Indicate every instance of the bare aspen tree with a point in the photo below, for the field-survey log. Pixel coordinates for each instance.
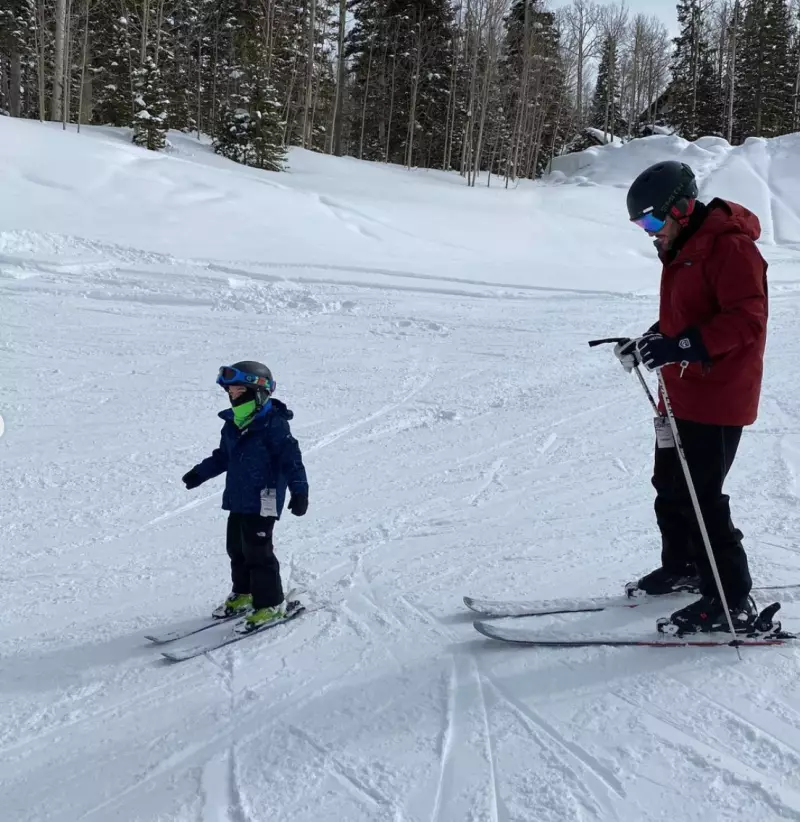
(613, 25)
(473, 42)
(159, 30)
(312, 22)
(58, 59)
(420, 31)
(582, 21)
(364, 104)
(145, 20)
(734, 36)
(39, 40)
(796, 118)
(84, 62)
(67, 70)
(338, 115)
(392, 90)
(493, 21)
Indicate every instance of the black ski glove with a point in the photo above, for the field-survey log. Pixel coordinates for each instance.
(656, 350)
(298, 504)
(191, 479)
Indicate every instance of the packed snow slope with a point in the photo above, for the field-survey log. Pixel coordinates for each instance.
(460, 438)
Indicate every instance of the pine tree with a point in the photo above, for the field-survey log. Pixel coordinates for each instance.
(709, 115)
(150, 107)
(765, 73)
(16, 40)
(778, 70)
(113, 58)
(401, 54)
(695, 90)
(606, 106)
(251, 128)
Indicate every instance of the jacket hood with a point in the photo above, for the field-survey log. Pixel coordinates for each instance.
(725, 217)
(273, 406)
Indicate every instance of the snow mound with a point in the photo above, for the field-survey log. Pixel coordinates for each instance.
(762, 174)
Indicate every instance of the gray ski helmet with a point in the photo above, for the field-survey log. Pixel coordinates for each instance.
(664, 190)
(261, 392)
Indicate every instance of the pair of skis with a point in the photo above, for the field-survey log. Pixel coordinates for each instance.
(767, 631)
(294, 607)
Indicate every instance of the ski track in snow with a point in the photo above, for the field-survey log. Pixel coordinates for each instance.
(460, 438)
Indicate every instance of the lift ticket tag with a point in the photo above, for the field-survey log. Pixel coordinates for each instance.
(664, 438)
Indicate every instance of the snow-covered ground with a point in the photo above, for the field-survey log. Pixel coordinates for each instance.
(460, 438)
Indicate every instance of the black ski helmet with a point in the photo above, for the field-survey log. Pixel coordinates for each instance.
(664, 190)
(261, 393)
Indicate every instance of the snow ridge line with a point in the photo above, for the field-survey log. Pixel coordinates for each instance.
(537, 724)
(446, 741)
(498, 812)
(345, 775)
(703, 755)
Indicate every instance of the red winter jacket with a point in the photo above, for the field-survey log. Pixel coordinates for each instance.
(717, 283)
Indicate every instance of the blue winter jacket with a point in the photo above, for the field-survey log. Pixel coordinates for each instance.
(262, 460)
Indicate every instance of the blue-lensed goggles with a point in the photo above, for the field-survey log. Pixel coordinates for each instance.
(233, 376)
(650, 223)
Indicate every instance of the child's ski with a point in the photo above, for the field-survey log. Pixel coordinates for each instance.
(522, 608)
(293, 609)
(201, 624)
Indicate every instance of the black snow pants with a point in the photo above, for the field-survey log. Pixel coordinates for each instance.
(710, 451)
(254, 567)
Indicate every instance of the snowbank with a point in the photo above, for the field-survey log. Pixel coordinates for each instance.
(761, 174)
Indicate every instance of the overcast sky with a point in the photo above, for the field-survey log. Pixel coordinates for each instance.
(664, 9)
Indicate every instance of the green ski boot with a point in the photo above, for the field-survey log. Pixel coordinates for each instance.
(258, 619)
(234, 605)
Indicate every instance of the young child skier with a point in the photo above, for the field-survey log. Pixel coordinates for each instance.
(262, 460)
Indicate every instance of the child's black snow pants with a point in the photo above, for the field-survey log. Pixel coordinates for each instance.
(254, 566)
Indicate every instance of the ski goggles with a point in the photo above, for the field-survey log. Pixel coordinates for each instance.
(233, 376)
(650, 223)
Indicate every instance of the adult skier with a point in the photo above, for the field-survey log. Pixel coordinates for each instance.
(709, 340)
(262, 459)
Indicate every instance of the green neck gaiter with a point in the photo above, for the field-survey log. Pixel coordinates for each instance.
(243, 414)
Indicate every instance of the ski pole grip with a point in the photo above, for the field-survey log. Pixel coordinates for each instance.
(594, 343)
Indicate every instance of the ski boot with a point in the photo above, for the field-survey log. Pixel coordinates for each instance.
(260, 618)
(663, 581)
(234, 605)
(707, 615)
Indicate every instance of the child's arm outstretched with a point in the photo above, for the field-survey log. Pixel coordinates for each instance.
(209, 468)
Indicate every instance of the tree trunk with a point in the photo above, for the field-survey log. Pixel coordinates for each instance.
(391, 102)
(364, 105)
(451, 101)
(338, 118)
(40, 57)
(15, 84)
(412, 114)
(732, 91)
(67, 69)
(83, 95)
(58, 59)
(159, 26)
(312, 20)
(145, 32)
(796, 119)
(199, 84)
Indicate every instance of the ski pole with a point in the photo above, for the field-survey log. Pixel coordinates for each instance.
(696, 504)
(642, 381)
(689, 482)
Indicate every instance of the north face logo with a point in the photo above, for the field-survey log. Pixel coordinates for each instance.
(685, 343)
